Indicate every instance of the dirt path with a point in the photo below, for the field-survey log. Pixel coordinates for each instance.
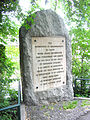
(56, 112)
(85, 117)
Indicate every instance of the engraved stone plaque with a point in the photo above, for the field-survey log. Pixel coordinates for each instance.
(49, 62)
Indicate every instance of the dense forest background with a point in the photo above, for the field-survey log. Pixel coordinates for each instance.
(12, 16)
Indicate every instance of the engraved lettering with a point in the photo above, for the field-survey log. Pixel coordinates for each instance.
(49, 62)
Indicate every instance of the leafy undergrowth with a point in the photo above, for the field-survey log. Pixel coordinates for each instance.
(70, 105)
(67, 105)
(85, 103)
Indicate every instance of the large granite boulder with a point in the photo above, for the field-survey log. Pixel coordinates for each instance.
(46, 24)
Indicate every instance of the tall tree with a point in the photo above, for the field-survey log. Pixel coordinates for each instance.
(77, 13)
(6, 70)
(8, 28)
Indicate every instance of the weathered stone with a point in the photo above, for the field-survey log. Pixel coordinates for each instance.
(47, 24)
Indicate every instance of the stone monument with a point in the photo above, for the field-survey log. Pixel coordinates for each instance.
(45, 60)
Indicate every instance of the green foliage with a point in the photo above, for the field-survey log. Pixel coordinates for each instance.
(77, 16)
(82, 88)
(80, 52)
(28, 19)
(85, 103)
(50, 107)
(7, 96)
(12, 52)
(43, 107)
(80, 57)
(6, 70)
(70, 105)
(77, 11)
(13, 96)
(8, 28)
(10, 114)
(8, 5)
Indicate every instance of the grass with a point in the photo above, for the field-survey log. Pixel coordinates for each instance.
(50, 107)
(70, 105)
(66, 105)
(85, 103)
(43, 107)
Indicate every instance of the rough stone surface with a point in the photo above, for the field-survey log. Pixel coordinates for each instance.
(56, 111)
(47, 23)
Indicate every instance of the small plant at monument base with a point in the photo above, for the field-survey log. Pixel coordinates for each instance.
(47, 114)
(60, 108)
(70, 105)
(43, 107)
(85, 103)
(50, 107)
